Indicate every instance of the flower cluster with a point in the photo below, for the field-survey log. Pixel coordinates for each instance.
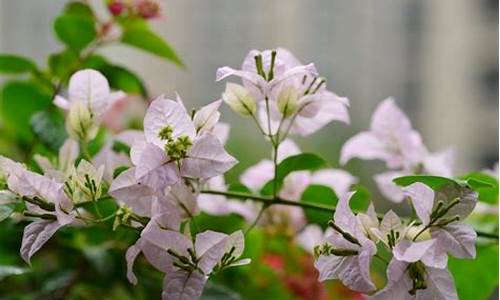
(146, 9)
(163, 176)
(419, 248)
(392, 139)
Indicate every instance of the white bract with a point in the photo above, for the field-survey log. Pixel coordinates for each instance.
(392, 139)
(89, 97)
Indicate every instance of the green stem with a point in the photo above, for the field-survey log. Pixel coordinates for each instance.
(279, 201)
(257, 219)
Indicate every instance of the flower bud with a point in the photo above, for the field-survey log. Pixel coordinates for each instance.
(85, 182)
(116, 8)
(239, 99)
(412, 232)
(80, 122)
(288, 100)
(148, 9)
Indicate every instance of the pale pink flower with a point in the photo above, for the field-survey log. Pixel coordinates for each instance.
(439, 283)
(173, 147)
(169, 249)
(351, 257)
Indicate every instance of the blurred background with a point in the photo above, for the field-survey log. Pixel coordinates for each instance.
(439, 59)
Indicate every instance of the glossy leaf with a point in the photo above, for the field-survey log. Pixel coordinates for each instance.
(75, 31)
(299, 162)
(123, 79)
(20, 100)
(48, 127)
(487, 193)
(13, 64)
(63, 63)
(434, 182)
(78, 9)
(361, 199)
(140, 36)
(477, 278)
(319, 194)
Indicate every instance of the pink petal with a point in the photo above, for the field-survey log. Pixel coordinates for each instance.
(422, 198)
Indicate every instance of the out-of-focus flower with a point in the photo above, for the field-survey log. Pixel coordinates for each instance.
(60, 169)
(392, 139)
(89, 98)
(291, 97)
(294, 185)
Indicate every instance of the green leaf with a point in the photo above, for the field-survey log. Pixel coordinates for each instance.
(75, 31)
(319, 194)
(62, 64)
(238, 187)
(361, 199)
(476, 278)
(434, 182)
(78, 9)
(140, 36)
(20, 100)
(48, 127)
(6, 210)
(123, 79)
(485, 185)
(119, 170)
(299, 162)
(13, 64)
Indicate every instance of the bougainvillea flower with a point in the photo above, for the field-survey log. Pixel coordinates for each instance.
(172, 149)
(347, 253)
(60, 169)
(89, 97)
(442, 212)
(187, 264)
(43, 190)
(401, 278)
(392, 139)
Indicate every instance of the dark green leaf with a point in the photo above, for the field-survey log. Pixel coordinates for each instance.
(487, 193)
(48, 127)
(75, 31)
(434, 182)
(476, 278)
(120, 147)
(140, 36)
(319, 194)
(299, 162)
(13, 64)
(122, 79)
(20, 100)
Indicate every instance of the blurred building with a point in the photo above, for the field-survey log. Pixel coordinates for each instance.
(438, 58)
